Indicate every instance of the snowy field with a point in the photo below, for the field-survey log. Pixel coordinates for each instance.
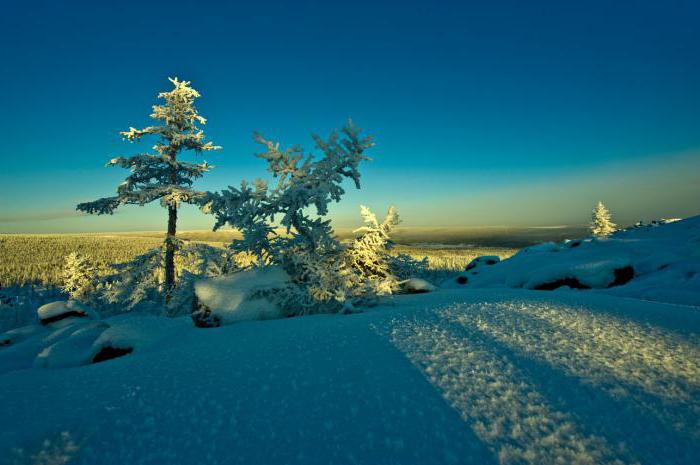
(578, 352)
(457, 376)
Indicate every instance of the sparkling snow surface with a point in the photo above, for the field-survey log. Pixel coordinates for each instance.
(454, 376)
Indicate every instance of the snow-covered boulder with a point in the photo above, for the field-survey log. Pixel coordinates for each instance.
(17, 335)
(88, 341)
(417, 286)
(73, 349)
(129, 333)
(237, 297)
(660, 263)
(61, 313)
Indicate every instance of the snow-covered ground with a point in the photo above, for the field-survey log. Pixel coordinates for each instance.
(456, 376)
(484, 371)
(659, 263)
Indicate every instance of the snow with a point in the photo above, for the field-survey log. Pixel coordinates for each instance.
(75, 348)
(417, 286)
(483, 260)
(55, 313)
(16, 335)
(664, 260)
(141, 332)
(463, 375)
(454, 376)
(234, 298)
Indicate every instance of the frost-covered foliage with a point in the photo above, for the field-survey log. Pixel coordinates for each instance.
(403, 266)
(160, 175)
(302, 182)
(139, 283)
(368, 250)
(324, 283)
(306, 185)
(601, 221)
(79, 275)
(369, 254)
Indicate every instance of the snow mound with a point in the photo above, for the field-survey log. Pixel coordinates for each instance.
(62, 312)
(417, 286)
(660, 263)
(86, 341)
(74, 349)
(17, 335)
(139, 332)
(234, 298)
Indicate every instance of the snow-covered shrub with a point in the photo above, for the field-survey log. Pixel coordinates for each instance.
(139, 283)
(79, 275)
(601, 221)
(403, 266)
(326, 283)
(306, 248)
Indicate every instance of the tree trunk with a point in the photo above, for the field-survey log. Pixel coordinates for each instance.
(170, 252)
(170, 238)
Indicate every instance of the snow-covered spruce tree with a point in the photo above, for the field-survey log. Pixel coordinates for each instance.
(368, 255)
(601, 224)
(306, 247)
(79, 276)
(161, 175)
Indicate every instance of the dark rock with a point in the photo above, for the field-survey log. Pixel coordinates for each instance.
(108, 353)
(570, 282)
(622, 276)
(62, 316)
(462, 280)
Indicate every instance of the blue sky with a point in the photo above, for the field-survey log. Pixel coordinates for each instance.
(485, 113)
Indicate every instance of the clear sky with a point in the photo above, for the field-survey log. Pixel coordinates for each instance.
(485, 113)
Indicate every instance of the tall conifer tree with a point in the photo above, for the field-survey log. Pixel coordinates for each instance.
(162, 175)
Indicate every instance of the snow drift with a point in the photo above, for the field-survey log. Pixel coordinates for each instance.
(660, 263)
(236, 297)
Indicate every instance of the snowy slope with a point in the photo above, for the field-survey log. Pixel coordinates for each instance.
(454, 376)
(659, 263)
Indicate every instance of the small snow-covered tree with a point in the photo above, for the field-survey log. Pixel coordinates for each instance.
(79, 276)
(601, 224)
(162, 175)
(306, 185)
(368, 254)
